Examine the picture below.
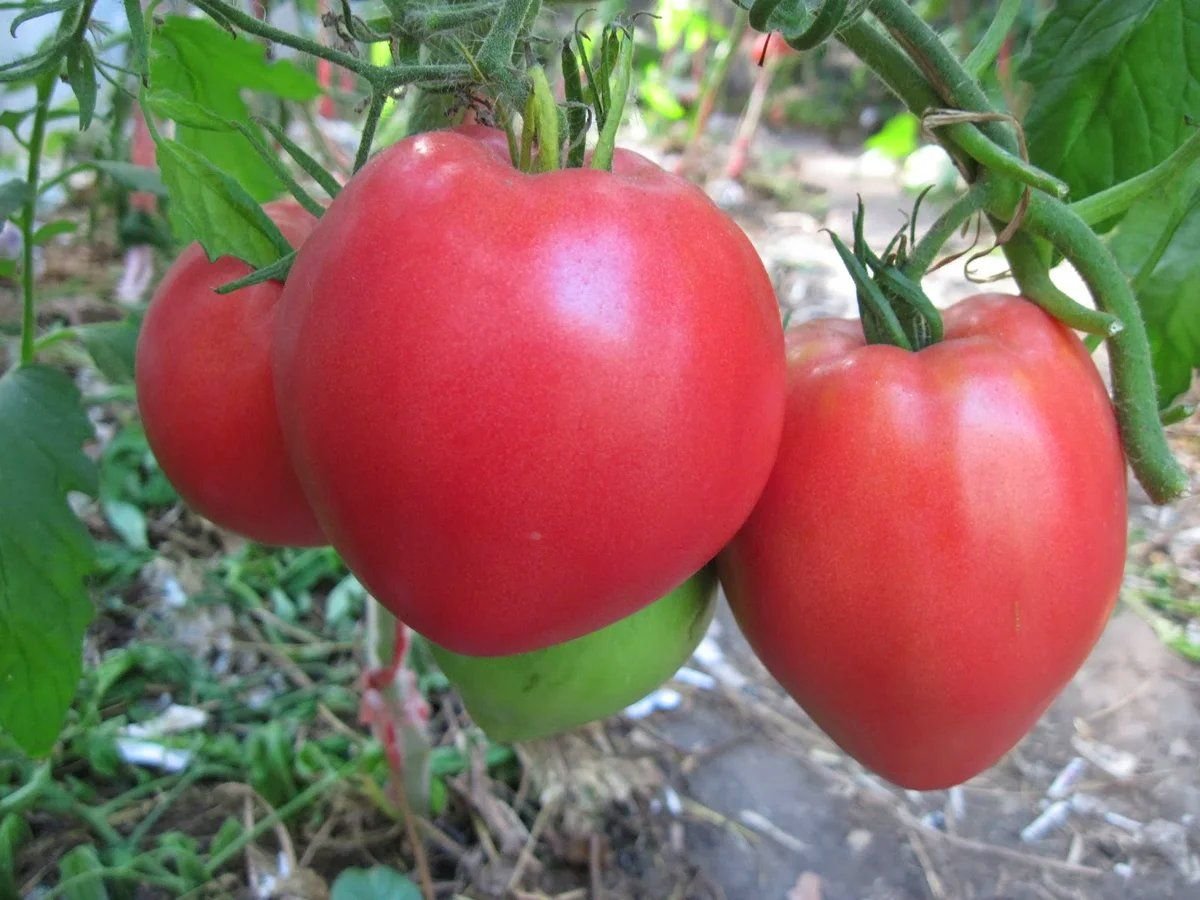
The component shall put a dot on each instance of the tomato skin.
(206, 394)
(942, 539)
(531, 695)
(769, 47)
(525, 406)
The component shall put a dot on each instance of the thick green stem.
(444, 18)
(926, 250)
(1133, 376)
(1118, 198)
(951, 81)
(36, 142)
(1031, 275)
(495, 54)
(993, 39)
(996, 159)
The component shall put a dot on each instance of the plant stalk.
(37, 138)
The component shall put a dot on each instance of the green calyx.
(893, 308)
(596, 85)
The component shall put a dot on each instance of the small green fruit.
(544, 692)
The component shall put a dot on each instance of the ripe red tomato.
(525, 406)
(769, 47)
(206, 394)
(942, 538)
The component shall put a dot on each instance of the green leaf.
(42, 9)
(898, 138)
(112, 346)
(83, 860)
(45, 552)
(11, 118)
(14, 832)
(135, 178)
(201, 62)
(375, 883)
(170, 105)
(81, 74)
(210, 206)
(128, 522)
(53, 229)
(1113, 82)
(13, 194)
(1155, 243)
(1170, 301)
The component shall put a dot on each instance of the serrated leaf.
(81, 75)
(1113, 82)
(112, 346)
(45, 552)
(13, 194)
(211, 207)
(201, 62)
(375, 883)
(135, 178)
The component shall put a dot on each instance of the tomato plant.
(524, 419)
(207, 397)
(942, 538)
(547, 691)
(525, 397)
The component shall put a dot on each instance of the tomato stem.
(374, 111)
(36, 140)
(495, 54)
(989, 45)
(622, 74)
(956, 215)
(541, 119)
(577, 111)
(1030, 273)
(1133, 376)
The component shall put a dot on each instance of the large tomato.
(547, 691)
(942, 538)
(206, 393)
(525, 406)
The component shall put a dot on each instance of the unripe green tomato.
(543, 692)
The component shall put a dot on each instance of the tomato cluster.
(525, 407)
